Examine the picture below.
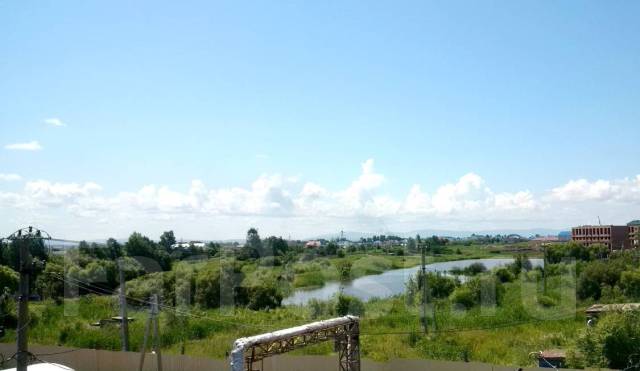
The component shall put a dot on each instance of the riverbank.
(321, 270)
(390, 329)
(391, 282)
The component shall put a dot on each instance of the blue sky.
(529, 96)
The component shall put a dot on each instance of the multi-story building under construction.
(615, 237)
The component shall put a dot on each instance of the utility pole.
(124, 325)
(23, 305)
(545, 269)
(23, 239)
(433, 314)
(424, 284)
(156, 333)
(152, 321)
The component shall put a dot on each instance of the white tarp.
(44, 367)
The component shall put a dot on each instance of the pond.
(387, 284)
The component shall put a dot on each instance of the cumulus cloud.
(54, 122)
(275, 195)
(10, 177)
(469, 199)
(599, 190)
(522, 200)
(42, 192)
(28, 146)
(468, 195)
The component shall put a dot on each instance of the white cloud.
(465, 203)
(274, 195)
(42, 192)
(522, 200)
(29, 146)
(10, 177)
(599, 190)
(361, 190)
(54, 122)
(468, 193)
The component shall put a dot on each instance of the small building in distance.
(313, 244)
(186, 245)
(615, 237)
(542, 241)
(564, 236)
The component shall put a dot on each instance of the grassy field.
(390, 328)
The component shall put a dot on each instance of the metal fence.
(103, 360)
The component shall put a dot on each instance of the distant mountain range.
(354, 236)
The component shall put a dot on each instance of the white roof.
(44, 367)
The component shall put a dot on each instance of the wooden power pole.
(23, 239)
(424, 286)
(23, 305)
(124, 325)
(152, 321)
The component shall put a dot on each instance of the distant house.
(186, 245)
(313, 244)
(542, 241)
(564, 236)
(547, 239)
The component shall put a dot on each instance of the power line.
(101, 291)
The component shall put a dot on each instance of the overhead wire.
(102, 291)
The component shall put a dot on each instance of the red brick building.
(616, 237)
(634, 235)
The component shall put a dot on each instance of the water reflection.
(388, 283)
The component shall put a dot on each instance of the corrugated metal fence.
(103, 360)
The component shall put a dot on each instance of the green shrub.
(263, 297)
(484, 290)
(546, 301)
(440, 286)
(595, 275)
(612, 342)
(476, 268)
(464, 297)
(504, 275)
(160, 283)
(319, 308)
(630, 283)
(349, 305)
(344, 269)
(521, 263)
(8, 278)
